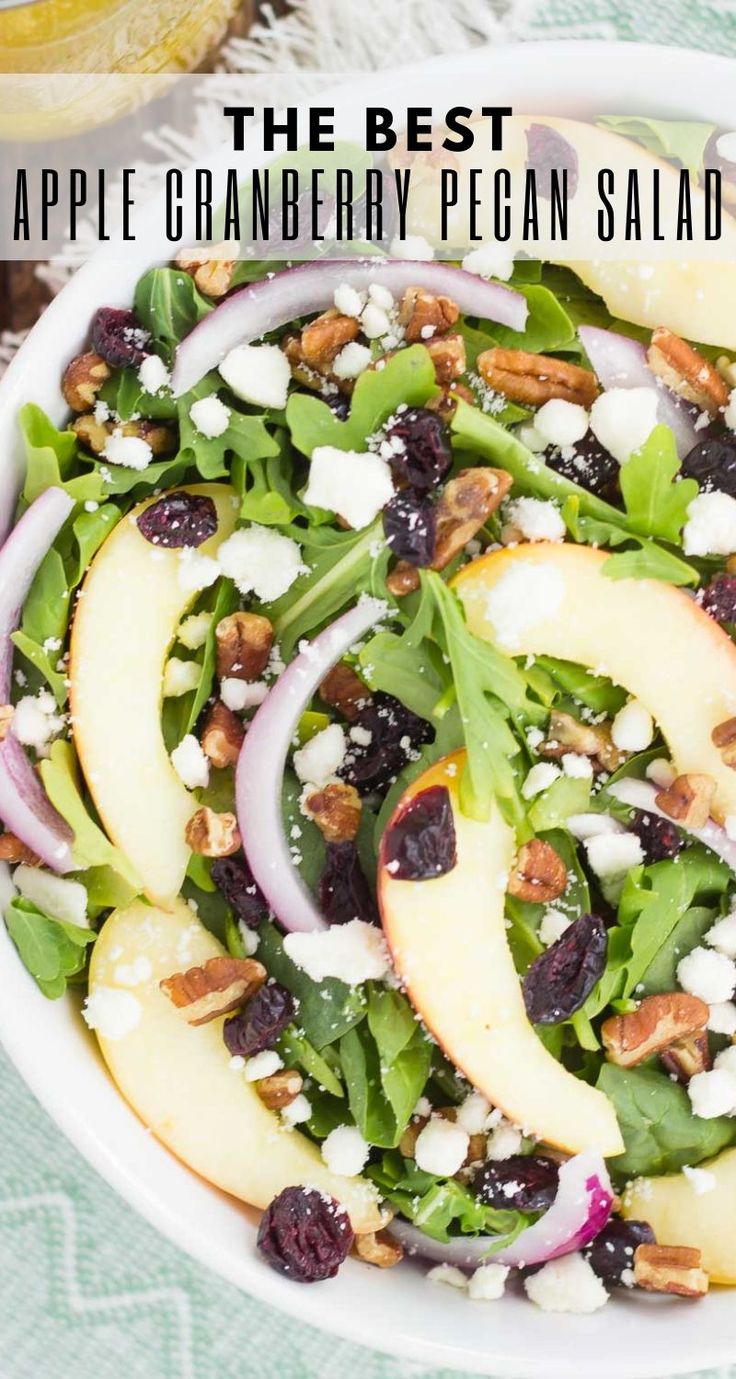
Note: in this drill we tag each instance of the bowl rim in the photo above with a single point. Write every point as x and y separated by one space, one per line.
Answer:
99 1147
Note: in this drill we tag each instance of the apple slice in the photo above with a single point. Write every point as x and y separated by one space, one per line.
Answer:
647 636
130 606
679 1214
178 1078
448 942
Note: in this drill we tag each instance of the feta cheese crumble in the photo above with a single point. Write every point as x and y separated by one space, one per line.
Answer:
622 419
347 300
504 1141
180 677
707 974
130 451
261 562
568 1284
297 1112
713 1093
190 763
36 721
632 729
441 1147
112 1013
448 1275
536 519
196 571
561 423
488 1283
541 776
553 926
613 854
700 1180
354 952
193 630
711 525
345 1151
354 484
259 374
473 1113
722 1018
317 762
490 261
413 247
55 896
352 361
263 1064
210 416
153 374
722 935
239 695
524 596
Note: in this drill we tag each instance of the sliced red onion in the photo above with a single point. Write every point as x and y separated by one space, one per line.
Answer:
273 302
581 1208
260 769
639 794
24 806
622 363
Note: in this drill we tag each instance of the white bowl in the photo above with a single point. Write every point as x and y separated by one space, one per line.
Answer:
398 1312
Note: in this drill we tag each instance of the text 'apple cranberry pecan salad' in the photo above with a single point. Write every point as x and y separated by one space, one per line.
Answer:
368 759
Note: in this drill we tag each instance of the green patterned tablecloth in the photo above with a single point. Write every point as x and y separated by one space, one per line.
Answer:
87 1289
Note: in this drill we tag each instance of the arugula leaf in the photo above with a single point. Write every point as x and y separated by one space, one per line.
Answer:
566 795
655 505
296 1051
51 459
442 1207
340 564
120 479
684 140
168 305
660 1132
246 436
407 379
91 847
50 950
650 562
548 326
125 395
326 1009
594 691
226 601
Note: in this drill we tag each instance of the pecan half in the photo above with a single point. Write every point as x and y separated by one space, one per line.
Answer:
536 378
539 873
688 799
568 734
82 380
280 1089
424 316
448 356
212 835
94 434
6 718
675 1269
724 738
222 984
336 810
465 506
12 850
658 1022
343 690
687 1057
212 276
378 1248
687 372
222 736
322 340
244 642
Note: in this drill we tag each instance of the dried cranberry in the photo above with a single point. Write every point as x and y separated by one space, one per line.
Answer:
521 1183
713 463
305 1235
234 880
612 1252
588 465
424 457
339 406
547 150
420 844
719 598
395 732
260 1024
179 519
560 980
119 337
344 893
410 526
660 838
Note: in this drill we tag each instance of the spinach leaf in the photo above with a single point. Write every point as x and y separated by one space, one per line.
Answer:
661 974
548 326
296 1051
660 1132
442 1207
383 1093
407 379
50 950
326 1009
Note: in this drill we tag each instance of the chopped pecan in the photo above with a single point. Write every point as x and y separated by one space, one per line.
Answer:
244 642
687 1057
536 378
687 372
94 434
724 738
212 275
222 736
336 811
322 340
675 1269
12 850
343 690
539 873
212 835
568 734
6 718
280 1089
446 400
448 356
688 799
657 1023
378 1248
300 370
425 316
221 984
82 380
465 506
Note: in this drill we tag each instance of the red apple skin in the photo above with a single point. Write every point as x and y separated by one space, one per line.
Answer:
447 938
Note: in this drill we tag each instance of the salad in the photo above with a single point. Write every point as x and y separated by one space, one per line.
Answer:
367 761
